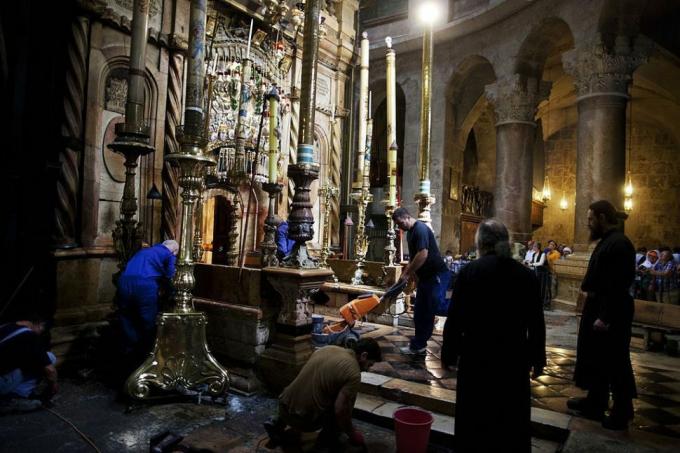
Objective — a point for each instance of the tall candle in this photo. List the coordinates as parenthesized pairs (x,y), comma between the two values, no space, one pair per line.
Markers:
(367,156)
(274,99)
(391,123)
(250,37)
(363,109)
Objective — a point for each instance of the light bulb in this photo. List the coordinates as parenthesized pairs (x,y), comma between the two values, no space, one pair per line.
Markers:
(428,12)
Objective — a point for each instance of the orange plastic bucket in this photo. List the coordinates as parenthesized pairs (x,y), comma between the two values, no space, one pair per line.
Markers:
(358,308)
(412,429)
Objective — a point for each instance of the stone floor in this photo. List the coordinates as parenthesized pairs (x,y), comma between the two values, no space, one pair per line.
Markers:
(657,376)
(96,412)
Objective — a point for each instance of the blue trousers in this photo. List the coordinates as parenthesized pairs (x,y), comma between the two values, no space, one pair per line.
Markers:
(137,299)
(430,293)
(17,383)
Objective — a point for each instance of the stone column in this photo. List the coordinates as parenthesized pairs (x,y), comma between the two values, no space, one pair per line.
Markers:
(602,77)
(66,209)
(173,117)
(515,99)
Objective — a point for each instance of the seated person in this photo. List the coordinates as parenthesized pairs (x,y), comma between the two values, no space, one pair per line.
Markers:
(322,395)
(24,362)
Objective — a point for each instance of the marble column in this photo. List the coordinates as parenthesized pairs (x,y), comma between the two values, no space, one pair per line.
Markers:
(602,76)
(515,99)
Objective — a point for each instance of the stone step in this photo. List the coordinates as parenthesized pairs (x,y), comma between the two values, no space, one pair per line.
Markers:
(381,395)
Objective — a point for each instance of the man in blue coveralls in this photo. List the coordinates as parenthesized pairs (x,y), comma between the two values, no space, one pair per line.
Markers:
(137,297)
(428,268)
(283,245)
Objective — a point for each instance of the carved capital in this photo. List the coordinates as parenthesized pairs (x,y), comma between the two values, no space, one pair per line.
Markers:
(596,68)
(516,97)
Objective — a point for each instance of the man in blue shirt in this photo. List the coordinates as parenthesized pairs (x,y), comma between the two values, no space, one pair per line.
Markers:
(427,267)
(283,245)
(137,297)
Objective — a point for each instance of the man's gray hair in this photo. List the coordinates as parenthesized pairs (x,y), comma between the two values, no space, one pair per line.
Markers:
(492,238)
(171,245)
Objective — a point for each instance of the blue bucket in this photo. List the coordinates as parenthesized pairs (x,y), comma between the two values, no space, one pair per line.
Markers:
(317,324)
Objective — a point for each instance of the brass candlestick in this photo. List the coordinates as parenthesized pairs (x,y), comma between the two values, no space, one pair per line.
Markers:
(181,357)
(424,198)
(327,192)
(132,139)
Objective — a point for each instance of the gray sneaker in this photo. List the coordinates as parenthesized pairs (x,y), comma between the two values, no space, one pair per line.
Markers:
(19,405)
(408,351)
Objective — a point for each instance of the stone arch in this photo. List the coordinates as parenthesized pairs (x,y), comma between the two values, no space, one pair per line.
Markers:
(550,36)
(466,109)
(322,157)
(620,17)
(104,199)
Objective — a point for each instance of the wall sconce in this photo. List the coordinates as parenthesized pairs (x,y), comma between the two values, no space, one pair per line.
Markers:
(628,204)
(564,204)
(546,195)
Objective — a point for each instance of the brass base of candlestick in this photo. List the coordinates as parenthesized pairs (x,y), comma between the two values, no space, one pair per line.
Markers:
(361,242)
(424,201)
(390,249)
(180,359)
(271,223)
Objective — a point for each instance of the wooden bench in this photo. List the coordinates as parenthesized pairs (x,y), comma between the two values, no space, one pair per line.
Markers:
(653,323)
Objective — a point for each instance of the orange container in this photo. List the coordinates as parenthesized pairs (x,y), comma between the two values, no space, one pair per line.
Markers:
(355,310)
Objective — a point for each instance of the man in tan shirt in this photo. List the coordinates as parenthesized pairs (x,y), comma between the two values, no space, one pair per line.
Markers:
(322,395)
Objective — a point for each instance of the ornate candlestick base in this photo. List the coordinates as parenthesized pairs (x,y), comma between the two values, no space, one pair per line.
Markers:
(362,198)
(271,223)
(390,248)
(181,358)
(425,201)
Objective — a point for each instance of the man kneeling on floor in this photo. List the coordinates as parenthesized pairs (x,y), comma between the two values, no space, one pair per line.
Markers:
(322,396)
(23,363)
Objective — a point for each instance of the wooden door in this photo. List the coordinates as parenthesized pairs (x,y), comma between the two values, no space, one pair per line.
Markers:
(224,217)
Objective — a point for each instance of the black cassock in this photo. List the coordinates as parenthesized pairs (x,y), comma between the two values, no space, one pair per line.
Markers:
(603,358)
(495,331)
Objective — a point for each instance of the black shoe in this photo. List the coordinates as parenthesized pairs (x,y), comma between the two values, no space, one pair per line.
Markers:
(274,431)
(615,422)
(585,408)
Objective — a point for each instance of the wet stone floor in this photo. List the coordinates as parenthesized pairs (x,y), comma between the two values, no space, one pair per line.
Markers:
(657,407)
(95,410)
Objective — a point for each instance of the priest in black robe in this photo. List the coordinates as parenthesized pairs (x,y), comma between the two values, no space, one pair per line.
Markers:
(603,348)
(495,333)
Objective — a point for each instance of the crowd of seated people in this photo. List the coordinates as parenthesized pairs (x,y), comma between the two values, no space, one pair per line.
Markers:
(657,275)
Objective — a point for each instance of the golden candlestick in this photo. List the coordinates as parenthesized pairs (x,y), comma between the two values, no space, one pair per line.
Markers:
(327,192)
(181,357)
(424,198)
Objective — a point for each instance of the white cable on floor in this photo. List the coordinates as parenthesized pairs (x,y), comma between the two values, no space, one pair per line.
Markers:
(82,434)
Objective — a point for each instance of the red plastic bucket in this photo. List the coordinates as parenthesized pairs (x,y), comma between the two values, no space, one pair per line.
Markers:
(412,429)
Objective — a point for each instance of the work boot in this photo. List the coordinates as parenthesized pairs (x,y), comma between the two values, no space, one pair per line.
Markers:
(275,428)
(585,408)
(408,351)
(615,422)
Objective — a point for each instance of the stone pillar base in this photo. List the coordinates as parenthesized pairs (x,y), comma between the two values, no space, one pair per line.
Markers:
(282,361)
(292,346)
(570,272)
